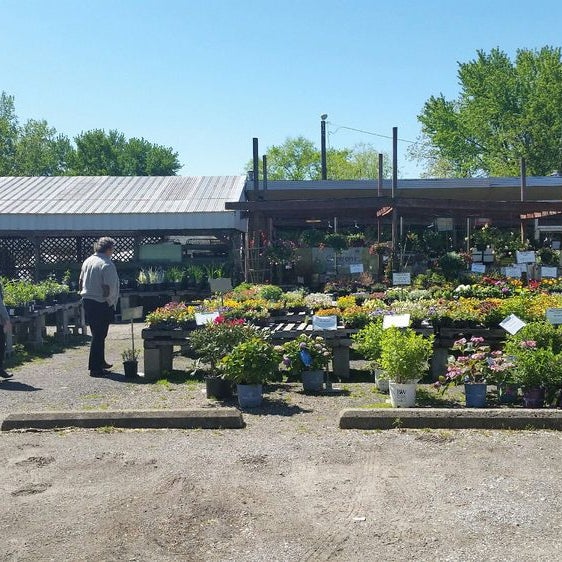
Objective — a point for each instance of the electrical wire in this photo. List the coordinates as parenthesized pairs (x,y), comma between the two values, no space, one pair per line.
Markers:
(338,127)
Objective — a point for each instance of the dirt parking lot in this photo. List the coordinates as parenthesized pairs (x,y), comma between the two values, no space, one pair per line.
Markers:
(290,486)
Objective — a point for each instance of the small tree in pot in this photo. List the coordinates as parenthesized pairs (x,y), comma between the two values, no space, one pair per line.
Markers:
(405,357)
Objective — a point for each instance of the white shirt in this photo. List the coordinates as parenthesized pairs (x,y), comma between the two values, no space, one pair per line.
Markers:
(99,279)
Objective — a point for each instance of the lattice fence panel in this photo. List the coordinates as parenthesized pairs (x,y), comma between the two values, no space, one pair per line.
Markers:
(58,250)
(17,258)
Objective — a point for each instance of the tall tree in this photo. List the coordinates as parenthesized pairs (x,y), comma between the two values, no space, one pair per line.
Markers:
(35,149)
(110,154)
(505,110)
(299,159)
(40,151)
(8,134)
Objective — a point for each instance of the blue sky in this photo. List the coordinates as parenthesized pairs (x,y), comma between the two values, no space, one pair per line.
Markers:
(205,77)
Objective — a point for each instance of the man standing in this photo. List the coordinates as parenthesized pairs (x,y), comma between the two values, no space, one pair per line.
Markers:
(99,286)
(5,325)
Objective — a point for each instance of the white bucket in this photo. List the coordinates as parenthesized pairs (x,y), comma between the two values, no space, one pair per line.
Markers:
(402,395)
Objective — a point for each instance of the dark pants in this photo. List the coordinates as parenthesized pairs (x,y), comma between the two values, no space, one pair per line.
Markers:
(2,347)
(98,316)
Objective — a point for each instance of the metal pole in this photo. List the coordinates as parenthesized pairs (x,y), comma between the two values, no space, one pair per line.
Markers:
(264,171)
(394,160)
(256,164)
(324,172)
(523,189)
(379,187)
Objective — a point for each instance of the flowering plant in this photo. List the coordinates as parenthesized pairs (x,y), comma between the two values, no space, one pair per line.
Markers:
(215,339)
(305,353)
(171,315)
(475,363)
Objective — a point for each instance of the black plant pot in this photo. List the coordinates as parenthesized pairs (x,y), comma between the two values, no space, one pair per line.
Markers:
(218,388)
(131,369)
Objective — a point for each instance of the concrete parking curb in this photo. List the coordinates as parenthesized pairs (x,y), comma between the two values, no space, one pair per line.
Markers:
(439,418)
(223,418)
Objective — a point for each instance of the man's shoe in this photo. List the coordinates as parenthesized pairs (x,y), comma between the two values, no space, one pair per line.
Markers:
(5,375)
(98,374)
(107,365)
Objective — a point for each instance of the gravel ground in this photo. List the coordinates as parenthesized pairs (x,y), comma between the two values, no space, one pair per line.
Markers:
(290,486)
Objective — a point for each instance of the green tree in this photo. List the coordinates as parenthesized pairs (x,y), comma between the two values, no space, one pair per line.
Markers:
(36,149)
(299,159)
(39,151)
(8,134)
(110,154)
(505,110)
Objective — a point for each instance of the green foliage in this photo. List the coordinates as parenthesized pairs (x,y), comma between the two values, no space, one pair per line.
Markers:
(545,334)
(36,149)
(254,361)
(536,367)
(505,110)
(405,354)
(451,264)
(215,339)
(299,159)
(338,242)
(368,341)
(271,293)
(130,354)
(311,237)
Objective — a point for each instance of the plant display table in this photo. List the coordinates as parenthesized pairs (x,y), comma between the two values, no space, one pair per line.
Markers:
(30,328)
(158,343)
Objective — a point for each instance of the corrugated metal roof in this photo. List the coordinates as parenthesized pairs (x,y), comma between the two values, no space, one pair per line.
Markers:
(65,203)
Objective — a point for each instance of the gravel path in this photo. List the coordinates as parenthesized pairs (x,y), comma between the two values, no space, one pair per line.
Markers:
(290,486)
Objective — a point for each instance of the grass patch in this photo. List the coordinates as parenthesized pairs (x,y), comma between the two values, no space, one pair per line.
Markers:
(377,405)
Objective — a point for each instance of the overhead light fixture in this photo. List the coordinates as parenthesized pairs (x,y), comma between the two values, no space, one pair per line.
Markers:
(310,221)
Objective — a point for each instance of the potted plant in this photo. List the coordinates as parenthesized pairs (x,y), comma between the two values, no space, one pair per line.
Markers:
(250,364)
(367,342)
(536,370)
(474,365)
(130,362)
(212,342)
(404,356)
(306,357)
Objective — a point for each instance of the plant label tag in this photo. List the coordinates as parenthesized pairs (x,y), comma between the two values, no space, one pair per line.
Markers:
(554,315)
(512,271)
(549,271)
(131,313)
(356,268)
(401,278)
(512,324)
(325,322)
(526,257)
(398,320)
(202,318)
(478,268)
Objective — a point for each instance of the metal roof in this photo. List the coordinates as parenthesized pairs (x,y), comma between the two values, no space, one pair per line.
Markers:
(430,183)
(119,203)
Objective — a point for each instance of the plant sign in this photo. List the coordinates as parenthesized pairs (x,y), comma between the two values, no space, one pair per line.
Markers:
(202,318)
(512,324)
(554,315)
(325,322)
(401,278)
(549,271)
(306,358)
(526,257)
(478,268)
(398,320)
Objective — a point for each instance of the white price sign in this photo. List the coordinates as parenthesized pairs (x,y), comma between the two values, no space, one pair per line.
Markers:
(401,278)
